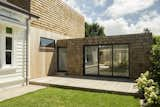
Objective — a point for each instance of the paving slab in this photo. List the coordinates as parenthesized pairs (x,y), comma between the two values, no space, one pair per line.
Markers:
(114,85)
(18,91)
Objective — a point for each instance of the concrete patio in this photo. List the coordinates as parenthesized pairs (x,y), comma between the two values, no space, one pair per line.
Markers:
(99,84)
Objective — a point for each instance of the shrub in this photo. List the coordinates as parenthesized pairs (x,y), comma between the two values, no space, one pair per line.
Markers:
(155,67)
(148,89)
(146,82)
(143,81)
(151,95)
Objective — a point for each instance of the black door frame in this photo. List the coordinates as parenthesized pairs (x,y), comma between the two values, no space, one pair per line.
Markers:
(58,59)
(84,73)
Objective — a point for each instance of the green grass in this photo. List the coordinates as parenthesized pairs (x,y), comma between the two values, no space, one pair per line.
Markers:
(56,97)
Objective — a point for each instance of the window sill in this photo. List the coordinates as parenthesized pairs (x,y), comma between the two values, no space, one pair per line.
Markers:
(6,69)
(46,49)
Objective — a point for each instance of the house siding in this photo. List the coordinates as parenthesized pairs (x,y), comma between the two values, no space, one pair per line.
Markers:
(16,74)
(25,4)
(20,52)
(41,61)
(57,21)
(55,16)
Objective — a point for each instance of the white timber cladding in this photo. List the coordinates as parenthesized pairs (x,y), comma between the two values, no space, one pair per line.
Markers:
(13,74)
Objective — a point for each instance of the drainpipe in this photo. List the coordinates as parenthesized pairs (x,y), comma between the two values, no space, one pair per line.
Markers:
(27,49)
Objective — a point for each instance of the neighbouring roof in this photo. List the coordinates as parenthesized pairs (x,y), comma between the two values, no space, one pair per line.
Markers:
(16,8)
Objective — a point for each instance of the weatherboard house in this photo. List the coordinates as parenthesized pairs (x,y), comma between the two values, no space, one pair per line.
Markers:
(41,38)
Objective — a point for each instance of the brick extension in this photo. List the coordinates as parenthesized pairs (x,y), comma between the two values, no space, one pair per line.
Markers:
(139,51)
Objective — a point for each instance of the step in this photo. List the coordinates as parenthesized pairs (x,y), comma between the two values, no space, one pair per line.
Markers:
(9,82)
(61,73)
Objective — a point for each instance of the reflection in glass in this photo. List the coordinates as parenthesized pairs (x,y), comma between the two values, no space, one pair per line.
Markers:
(105,60)
(91,60)
(62,57)
(8,50)
(8,43)
(45,42)
(8,58)
(120,60)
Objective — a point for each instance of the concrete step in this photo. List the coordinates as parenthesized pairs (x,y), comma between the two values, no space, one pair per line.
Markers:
(11,82)
(61,74)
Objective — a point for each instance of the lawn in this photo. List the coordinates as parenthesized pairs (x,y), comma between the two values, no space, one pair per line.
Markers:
(56,97)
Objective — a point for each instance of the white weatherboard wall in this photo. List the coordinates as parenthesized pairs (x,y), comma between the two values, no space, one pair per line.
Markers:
(14,74)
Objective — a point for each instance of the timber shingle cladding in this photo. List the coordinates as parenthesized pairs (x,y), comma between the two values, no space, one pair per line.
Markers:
(55,16)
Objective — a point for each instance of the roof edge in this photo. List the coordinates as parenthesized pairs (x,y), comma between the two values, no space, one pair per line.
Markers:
(16,8)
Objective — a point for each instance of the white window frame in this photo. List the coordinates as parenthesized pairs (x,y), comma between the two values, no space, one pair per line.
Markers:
(1,50)
(6,50)
(4,35)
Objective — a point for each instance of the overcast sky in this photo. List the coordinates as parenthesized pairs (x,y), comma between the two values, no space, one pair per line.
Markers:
(120,16)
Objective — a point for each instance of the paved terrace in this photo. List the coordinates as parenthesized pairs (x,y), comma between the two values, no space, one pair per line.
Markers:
(113,85)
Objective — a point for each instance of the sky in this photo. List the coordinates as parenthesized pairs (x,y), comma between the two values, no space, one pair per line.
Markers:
(120,16)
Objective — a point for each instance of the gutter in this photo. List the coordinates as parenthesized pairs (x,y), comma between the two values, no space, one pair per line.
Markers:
(27,49)
(16,8)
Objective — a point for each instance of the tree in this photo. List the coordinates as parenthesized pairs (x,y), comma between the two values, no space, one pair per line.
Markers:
(92,30)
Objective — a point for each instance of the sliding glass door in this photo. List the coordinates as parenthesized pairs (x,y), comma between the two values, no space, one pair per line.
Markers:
(107,60)
(62,59)
(120,60)
(91,60)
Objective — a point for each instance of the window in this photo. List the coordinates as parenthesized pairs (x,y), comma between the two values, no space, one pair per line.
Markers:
(8,52)
(45,42)
(9,30)
(6,48)
(8,43)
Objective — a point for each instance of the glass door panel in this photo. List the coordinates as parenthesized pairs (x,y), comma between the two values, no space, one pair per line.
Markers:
(62,59)
(91,60)
(105,60)
(120,60)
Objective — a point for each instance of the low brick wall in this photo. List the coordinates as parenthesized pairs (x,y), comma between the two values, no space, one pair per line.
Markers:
(140,46)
